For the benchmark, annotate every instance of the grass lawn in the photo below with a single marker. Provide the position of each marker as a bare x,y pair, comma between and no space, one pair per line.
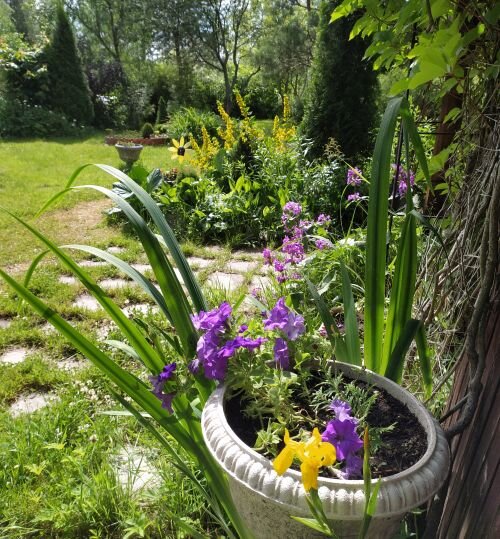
32,171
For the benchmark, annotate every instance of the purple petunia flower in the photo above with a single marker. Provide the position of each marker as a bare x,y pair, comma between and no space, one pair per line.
214,319
323,219
354,176
353,197
343,435
342,410
268,255
281,356
322,244
283,319
158,383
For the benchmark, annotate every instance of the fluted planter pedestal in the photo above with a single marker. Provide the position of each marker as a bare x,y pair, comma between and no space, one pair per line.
266,501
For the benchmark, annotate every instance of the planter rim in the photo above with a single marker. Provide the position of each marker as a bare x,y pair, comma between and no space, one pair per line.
431,469
131,146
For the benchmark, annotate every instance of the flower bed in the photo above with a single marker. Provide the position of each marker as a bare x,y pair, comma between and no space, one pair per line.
153,141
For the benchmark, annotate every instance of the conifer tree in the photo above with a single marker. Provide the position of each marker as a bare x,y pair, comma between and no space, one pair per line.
162,114
69,92
342,94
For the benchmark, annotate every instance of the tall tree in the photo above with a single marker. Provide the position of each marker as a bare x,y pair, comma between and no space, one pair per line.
69,92
341,97
224,33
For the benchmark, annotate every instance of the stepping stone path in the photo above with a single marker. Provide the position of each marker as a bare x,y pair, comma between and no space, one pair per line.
5,323
67,279
227,281
14,356
86,301
134,470
28,404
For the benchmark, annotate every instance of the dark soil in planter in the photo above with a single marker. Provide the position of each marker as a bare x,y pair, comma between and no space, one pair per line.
401,448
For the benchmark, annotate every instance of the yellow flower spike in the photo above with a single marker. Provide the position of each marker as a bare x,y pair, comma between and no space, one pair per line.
313,455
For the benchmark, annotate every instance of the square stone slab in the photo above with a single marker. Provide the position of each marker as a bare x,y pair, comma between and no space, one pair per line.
240,266
14,356
260,281
28,404
197,262
67,279
227,281
141,268
86,301
115,250
134,470
5,323
139,308
92,263
113,284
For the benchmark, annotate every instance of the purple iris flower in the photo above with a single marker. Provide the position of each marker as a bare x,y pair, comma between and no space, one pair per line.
166,402
281,356
352,466
342,410
343,435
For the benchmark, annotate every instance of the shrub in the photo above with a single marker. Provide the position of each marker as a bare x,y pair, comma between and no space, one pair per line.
147,130
18,120
161,113
69,93
189,122
341,99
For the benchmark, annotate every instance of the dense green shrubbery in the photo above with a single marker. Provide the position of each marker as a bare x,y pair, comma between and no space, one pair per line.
189,122
17,120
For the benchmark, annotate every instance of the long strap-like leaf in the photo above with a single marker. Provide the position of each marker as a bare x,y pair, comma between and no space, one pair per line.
153,209
377,236
174,296
350,319
402,291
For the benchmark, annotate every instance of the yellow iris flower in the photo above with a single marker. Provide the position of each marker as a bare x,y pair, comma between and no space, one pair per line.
179,149
312,454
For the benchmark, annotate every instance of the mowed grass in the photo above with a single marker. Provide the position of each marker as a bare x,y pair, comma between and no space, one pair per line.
32,171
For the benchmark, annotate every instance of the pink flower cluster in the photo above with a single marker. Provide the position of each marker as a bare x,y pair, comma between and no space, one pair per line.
292,250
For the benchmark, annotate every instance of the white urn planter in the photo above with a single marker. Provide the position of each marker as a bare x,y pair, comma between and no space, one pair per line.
129,153
266,501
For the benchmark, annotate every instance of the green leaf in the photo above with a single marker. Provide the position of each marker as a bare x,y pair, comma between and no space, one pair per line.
377,236
350,319
416,141
395,366
336,340
402,292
